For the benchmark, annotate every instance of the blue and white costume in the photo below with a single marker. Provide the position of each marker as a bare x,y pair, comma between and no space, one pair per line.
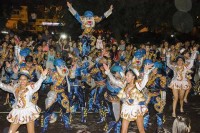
58,94
87,21
156,100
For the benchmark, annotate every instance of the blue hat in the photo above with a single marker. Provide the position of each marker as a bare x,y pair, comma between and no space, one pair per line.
59,62
158,65
25,52
143,51
148,61
138,54
88,14
117,68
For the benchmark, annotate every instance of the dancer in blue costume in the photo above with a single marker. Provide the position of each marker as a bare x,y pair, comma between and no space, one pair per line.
77,92
156,100
115,74
88,21
96,100
58,94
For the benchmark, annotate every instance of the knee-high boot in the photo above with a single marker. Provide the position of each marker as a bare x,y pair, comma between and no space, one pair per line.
47,117
66,120
118,127
83,114
146,121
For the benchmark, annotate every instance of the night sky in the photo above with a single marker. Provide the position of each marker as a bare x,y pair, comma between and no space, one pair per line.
156,14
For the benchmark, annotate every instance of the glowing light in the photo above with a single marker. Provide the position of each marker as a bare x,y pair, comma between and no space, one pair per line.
4,32
63,36
52,24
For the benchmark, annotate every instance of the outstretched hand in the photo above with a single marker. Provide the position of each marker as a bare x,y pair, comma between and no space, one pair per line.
111,7
44,72
15,69
148,67
106,67
69,5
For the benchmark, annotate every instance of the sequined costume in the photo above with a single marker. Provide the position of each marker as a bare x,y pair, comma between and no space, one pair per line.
23,110
77,93
35,73
58,94
133,100
88,21
112,99
97,94
180,80
156,100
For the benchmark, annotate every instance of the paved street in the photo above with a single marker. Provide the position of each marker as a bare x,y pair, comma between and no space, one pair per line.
192,109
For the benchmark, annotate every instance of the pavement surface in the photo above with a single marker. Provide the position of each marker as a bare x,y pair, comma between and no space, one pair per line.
192,109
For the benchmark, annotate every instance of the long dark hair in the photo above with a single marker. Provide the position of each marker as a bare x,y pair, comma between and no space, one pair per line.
132,71
180,57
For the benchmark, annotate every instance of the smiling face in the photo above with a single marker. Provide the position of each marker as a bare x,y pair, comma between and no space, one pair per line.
88,22
129,77
23,80
180,62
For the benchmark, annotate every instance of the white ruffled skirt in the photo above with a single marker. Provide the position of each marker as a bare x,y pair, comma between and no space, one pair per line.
24,115
184,84
131,112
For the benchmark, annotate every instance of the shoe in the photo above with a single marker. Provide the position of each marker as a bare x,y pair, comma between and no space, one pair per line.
5,103
173,115
181,110
185,101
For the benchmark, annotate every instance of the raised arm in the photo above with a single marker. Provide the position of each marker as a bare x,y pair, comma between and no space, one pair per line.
7,88
38,84
142,84
112,78
109,12
17,51
193,57
168,62
105,15
74,12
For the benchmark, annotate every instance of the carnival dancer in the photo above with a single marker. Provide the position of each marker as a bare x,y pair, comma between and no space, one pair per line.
88,21
133,107
77,92
25,62
189,76
24,111
179,83
156,96
96,100
58,94
115,74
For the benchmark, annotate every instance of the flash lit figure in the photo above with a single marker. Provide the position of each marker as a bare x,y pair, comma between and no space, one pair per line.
58,94
88,21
